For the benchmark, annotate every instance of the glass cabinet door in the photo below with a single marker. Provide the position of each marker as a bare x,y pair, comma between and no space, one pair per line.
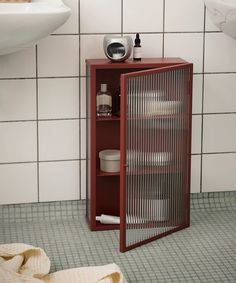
155,144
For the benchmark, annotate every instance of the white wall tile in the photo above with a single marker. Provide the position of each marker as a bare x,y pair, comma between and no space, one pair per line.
101,16
58,56
196,133
184,15
88,50
83,138
83,97
219,133
197,94
18,183
195,173
219,172
219,93
64,98
17,99
186,46
142,16
83,179
151,45
72,24
59,181
18,142
220,51
21,64
58,98
59,140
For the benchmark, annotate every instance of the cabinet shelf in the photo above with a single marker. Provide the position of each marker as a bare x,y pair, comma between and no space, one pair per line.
106,174
145,170
159,116
111,118
102,227
141,117
164,169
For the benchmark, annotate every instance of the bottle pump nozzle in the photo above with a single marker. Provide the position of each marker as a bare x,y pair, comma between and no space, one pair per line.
137,40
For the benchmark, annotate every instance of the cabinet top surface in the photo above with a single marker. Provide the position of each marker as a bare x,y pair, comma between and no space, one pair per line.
106,63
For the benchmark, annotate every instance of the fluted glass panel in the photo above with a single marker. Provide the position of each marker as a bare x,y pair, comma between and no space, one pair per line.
156,144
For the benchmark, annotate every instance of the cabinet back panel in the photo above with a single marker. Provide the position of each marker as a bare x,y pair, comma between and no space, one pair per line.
108,195
108,136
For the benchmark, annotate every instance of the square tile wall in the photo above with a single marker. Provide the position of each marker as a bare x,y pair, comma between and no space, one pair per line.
54,177
43,95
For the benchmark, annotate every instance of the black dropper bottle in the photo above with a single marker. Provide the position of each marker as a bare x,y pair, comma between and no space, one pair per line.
137,48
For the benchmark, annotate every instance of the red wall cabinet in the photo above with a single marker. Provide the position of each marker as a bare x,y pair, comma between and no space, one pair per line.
151,193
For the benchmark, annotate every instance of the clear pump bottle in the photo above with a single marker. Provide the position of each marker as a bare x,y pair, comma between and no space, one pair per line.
104,102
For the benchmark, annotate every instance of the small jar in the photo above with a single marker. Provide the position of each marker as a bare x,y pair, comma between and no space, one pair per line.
110,160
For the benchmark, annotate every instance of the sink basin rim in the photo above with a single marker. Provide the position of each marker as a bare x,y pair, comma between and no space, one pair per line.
223,15
226,3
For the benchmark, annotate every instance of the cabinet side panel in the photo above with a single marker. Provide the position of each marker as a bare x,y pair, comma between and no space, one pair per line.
88,144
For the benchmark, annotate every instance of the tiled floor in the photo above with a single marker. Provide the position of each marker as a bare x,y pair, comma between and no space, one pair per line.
205,252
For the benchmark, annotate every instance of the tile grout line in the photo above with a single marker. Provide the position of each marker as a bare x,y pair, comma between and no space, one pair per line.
83,76
84,118
130,32
203,84
122,17
80,99
37,120
84,159
163,29
43,120
42,161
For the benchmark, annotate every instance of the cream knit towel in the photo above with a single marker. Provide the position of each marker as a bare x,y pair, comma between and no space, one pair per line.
21,263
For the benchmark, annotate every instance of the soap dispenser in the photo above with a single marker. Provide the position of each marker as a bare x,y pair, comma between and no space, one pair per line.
137,48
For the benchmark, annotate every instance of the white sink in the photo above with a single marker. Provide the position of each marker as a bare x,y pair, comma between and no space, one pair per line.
23,24
223,15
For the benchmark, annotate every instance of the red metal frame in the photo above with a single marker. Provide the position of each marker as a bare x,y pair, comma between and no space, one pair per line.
93,150
188,185
97,66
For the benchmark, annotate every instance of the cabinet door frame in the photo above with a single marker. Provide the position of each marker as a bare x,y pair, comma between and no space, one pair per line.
123,162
